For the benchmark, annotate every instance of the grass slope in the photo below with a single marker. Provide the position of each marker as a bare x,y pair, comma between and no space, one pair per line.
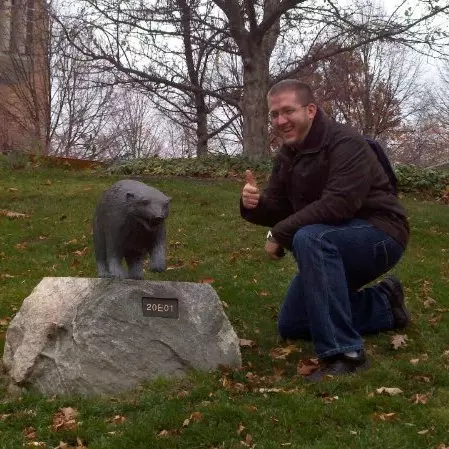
266,404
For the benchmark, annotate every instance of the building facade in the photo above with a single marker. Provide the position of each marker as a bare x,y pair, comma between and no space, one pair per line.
24,76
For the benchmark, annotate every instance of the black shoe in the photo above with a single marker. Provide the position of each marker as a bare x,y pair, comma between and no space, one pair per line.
392,287
339,365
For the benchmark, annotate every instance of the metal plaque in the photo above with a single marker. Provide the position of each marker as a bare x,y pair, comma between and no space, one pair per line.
160,307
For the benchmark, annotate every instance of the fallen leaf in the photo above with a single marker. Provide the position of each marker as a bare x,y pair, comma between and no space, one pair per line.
389,391
182,394
186,422
282,353
43,237
196,417
423,432
48,182
399,341
442,446
13,190
224,304
264,293
65,419
36,444
430,302
247,343
307,366
240,429
425,379
4,321
82,252
248,442
207,280
414,361
384,416
30,433
117,419
420,398
11,214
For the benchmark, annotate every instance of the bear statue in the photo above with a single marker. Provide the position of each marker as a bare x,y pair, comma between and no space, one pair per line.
129,223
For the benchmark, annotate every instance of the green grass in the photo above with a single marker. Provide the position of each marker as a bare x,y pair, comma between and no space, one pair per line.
208,239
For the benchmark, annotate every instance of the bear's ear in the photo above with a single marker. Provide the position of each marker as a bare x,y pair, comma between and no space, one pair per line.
129,196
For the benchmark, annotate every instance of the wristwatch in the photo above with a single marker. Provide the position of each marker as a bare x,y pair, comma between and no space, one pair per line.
281,250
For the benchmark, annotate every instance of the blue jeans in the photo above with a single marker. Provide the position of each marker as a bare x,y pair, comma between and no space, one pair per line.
324,302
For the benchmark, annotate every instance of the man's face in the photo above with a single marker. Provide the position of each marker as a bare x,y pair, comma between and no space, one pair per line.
291,120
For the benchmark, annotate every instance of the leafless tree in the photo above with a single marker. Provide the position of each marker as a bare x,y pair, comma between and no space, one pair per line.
145,43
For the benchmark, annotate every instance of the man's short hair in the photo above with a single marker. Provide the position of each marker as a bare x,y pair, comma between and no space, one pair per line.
303,91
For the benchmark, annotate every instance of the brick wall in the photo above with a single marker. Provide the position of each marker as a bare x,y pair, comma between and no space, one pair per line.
24,105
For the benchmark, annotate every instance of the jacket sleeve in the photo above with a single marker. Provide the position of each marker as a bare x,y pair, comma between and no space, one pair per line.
273,206
348,184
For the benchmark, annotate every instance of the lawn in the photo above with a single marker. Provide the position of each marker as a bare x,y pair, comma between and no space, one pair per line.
264,405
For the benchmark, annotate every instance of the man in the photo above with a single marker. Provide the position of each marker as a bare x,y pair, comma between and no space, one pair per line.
330,202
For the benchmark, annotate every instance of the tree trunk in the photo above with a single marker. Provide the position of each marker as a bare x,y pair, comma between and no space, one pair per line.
254,106
201,125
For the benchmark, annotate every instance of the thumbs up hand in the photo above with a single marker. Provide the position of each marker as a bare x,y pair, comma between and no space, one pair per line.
250,192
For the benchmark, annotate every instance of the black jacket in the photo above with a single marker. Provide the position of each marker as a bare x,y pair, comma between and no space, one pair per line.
331,177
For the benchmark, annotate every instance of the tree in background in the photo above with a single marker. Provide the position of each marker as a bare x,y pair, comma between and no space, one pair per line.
145,43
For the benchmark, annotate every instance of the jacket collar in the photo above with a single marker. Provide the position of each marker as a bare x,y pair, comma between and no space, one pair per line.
315,139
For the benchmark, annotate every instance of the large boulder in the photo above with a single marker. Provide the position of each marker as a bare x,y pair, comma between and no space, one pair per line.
101,336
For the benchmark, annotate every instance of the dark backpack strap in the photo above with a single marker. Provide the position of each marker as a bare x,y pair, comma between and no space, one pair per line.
385,162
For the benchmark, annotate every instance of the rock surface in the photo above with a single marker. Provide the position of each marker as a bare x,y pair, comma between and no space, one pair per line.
90,336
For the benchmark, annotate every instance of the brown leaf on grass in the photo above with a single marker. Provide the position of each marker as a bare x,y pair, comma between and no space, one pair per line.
244,343
281,353
65,419
43,237
36,444
30,433
82,252
11,214
414,361
22,245
194,417
207,281
393,391
240,429
442,446
182,394
434,320
117,419
6,276
423,432
398,341
428,303
5,321
248,441
5,416
384,416
264,293
13,190
419,398
425,379
48,182
307,366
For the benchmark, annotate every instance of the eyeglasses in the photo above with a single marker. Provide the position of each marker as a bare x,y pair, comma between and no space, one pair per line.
286,112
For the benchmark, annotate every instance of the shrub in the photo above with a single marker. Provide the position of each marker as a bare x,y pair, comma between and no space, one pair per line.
411,179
